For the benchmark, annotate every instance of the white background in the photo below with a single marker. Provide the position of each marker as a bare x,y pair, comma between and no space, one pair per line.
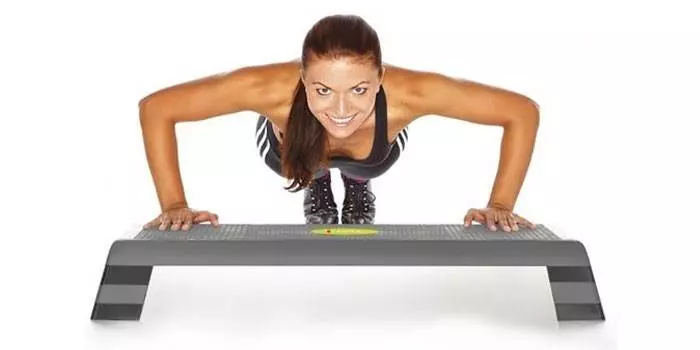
614,166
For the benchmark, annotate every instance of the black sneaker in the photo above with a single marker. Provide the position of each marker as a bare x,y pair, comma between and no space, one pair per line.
319,204
358,205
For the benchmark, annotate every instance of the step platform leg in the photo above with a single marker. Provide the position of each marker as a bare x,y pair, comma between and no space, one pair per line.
575,293
122,292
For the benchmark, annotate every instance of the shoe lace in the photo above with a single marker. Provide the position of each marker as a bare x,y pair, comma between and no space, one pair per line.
358,196
321,195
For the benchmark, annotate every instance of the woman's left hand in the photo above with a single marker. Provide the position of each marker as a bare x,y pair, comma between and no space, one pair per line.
491,217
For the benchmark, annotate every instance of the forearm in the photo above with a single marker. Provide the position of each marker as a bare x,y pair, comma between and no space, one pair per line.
161,153
517,145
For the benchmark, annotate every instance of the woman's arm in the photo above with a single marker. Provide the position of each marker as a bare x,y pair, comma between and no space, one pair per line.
243,89
436,94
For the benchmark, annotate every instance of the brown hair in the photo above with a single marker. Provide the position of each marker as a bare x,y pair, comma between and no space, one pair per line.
304,146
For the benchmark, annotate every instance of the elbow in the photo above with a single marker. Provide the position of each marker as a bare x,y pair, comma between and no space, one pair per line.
528,113
533,112
144,105
148,108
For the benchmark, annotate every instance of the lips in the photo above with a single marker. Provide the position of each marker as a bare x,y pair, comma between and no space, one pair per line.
342,121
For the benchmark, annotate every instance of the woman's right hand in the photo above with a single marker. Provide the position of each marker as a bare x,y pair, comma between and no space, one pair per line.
182,218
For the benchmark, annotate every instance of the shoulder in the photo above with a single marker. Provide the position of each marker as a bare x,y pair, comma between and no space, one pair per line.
409,91
400,87
275,84
266,88
260,88
417,93
412,91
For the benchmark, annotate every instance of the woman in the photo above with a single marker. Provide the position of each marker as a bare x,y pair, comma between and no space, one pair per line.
339,107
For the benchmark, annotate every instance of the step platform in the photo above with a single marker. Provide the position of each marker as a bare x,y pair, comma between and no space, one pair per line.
122,290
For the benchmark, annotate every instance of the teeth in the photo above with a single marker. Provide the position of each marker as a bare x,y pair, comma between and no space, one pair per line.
342,120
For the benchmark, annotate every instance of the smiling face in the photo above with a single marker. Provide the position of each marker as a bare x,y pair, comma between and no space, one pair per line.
341,93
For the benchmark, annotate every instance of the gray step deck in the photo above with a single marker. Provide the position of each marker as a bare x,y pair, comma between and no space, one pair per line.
130,261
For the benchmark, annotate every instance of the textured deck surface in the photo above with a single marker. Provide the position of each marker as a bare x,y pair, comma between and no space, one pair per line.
348,232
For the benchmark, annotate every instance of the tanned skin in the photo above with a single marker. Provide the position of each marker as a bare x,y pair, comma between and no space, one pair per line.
268,90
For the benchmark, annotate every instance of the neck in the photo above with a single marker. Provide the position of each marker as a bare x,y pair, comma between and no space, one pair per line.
357,137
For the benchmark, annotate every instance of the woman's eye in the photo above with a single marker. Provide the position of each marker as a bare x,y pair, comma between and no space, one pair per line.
361,91
322,91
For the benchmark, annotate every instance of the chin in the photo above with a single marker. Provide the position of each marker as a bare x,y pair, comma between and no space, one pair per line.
342,131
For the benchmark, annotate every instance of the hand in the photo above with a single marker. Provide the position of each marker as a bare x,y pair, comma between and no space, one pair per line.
489,216
184,217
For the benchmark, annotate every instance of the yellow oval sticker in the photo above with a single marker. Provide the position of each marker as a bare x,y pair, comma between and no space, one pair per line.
344,231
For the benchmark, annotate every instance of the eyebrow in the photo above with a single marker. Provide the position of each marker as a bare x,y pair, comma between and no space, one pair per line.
354,86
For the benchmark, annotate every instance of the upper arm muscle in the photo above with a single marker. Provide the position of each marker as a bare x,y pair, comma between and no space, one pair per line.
243,89
466,100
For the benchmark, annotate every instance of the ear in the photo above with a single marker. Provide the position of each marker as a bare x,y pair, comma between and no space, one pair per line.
382,72
301,75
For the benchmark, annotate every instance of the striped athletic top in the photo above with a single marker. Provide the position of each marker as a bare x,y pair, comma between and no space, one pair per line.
381,148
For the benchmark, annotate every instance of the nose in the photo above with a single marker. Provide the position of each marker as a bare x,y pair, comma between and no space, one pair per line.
341,108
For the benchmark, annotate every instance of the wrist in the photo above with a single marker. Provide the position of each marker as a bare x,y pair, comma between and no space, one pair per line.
497,205
175,205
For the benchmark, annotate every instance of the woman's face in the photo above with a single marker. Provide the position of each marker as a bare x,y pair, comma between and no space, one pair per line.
341,93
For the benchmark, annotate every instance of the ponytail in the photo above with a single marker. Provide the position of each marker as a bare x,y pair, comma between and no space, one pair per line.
304,145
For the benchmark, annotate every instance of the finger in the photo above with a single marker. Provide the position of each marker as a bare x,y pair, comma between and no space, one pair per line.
468,218
199,216
502,220
187,223
491,220
164,222
153,223
479,216
531,224
216,220
177,221
513,221
150,224
202,216
526,222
